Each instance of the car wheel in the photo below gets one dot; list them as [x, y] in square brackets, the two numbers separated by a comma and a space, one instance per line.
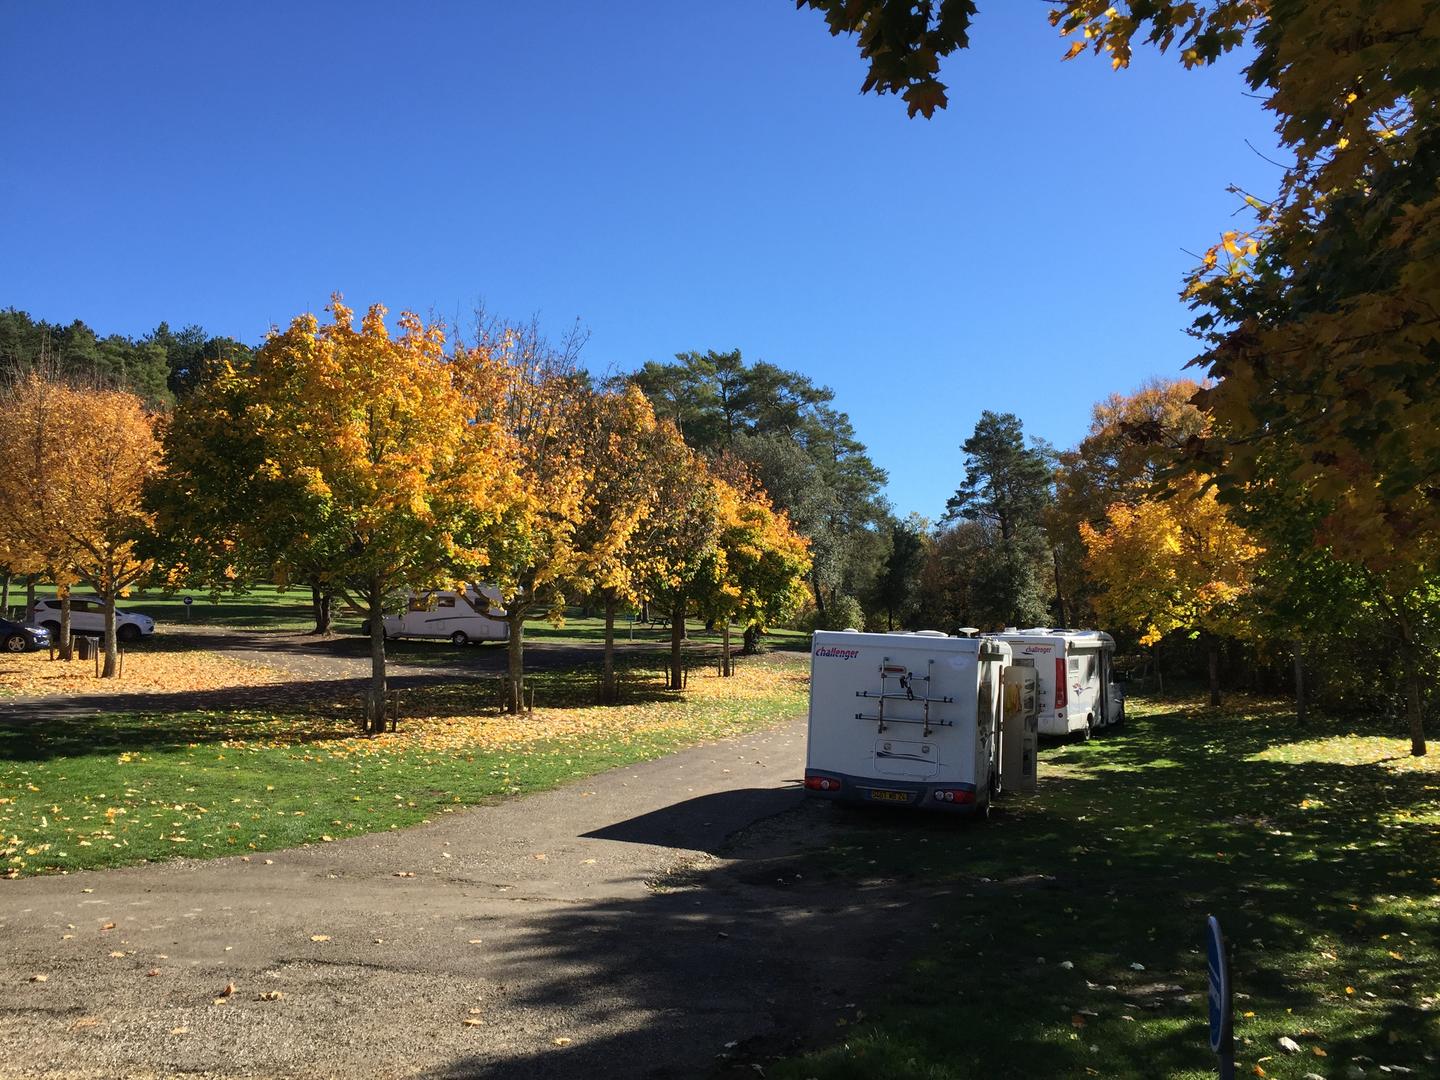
[53, 627]
[459, 637]
[128, 633]
[15, 643]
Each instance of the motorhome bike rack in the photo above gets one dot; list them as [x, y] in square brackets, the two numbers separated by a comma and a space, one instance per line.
[907, 679]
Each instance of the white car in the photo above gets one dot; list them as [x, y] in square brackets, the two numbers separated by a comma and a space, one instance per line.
[87, 616]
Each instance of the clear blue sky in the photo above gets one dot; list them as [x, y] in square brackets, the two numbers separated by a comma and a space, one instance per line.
[678, 174]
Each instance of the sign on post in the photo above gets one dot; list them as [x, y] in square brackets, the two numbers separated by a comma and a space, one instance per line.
[188, 601]
[1222, 1034]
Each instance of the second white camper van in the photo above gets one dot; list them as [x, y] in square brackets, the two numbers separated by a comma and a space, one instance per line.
[1077, 688]
[472, 615]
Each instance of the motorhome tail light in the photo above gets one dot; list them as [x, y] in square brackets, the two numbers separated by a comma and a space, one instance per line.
[1062, 695]
[816, 782]
[951, 795]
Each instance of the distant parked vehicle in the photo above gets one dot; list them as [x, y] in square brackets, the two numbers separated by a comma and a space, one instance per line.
[87, 616]
[1079, 693]
[463, 617]
[16, 637]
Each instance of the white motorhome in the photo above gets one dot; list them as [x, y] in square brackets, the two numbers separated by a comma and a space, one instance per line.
[1078, 692]
[474, 614]
[913, 719]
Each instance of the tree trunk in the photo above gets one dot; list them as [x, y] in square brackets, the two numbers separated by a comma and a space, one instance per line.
[819, 600]
[515, 653]
[30, 598]
[112, 655]
[66, 652]
[375, 715]
[1413, 709]
[607, 680]
[1212, 655]
[1301, 702]
[1159, 677]
[725, 650]
[677, 637]
[321, 605]
[5, 594]
[1059, 593]
[751, 640]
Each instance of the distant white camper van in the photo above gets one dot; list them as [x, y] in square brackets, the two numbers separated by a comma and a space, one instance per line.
[472, 615]
[1078, 692]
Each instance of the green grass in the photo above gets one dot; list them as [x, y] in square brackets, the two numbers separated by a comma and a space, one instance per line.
[1319, 851]
[114, 790]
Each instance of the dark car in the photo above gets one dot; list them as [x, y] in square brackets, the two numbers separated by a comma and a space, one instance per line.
[22, 637]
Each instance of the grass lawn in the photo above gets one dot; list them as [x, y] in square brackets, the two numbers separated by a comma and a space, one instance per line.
[1073, 942]
[114, 790]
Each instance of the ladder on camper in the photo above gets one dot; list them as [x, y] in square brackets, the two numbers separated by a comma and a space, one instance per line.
[905, 690]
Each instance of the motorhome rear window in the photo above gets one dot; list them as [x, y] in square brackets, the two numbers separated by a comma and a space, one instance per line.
[447, 601]
[1074, 663]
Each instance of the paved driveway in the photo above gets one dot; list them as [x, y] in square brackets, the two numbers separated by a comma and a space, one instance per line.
[654, 921]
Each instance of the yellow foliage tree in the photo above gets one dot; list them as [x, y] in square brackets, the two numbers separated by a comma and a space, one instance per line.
[532, 395]
[74, 491]
[758, 566]
[1178, 563]
[389, 454]
[33, 415]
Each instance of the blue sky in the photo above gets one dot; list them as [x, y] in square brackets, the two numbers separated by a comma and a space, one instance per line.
[677, 174]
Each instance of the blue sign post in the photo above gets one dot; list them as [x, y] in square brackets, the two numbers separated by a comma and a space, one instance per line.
[188, 601]
[1222, 1034]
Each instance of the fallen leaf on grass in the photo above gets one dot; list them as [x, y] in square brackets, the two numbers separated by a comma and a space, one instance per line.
[270, 995]
[471, 1021]
[117, 954]
[86, 1022]
[561, 1041]
[1076, 1020]
[319, 937]
[180, 1031]
[229, 989]
[404, 873]
[39, 978]
[108, 926]
[152, 973]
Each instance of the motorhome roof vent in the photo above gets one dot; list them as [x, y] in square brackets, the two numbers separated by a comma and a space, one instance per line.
[849, 630]
[931, 633]
[968, 631]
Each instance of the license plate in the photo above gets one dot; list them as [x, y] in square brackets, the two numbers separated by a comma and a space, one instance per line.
[889, 796]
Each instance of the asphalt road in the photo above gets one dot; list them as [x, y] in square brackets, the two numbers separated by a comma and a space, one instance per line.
[655, 921]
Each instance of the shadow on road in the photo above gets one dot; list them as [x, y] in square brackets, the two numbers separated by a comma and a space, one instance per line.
[701, 823]
[715, 967]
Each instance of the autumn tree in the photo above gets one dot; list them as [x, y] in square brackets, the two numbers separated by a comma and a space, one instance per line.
[1177, 563]
[625, 451]
[35, 412]
[532, 393]
[227, 512]
[1134, 440]
[388, 454]
[756, 570]
[679, 541]
[98, 504]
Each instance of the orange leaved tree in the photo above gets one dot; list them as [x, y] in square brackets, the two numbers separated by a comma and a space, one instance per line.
[531, 394]
[1178, 563]
[388, 454]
